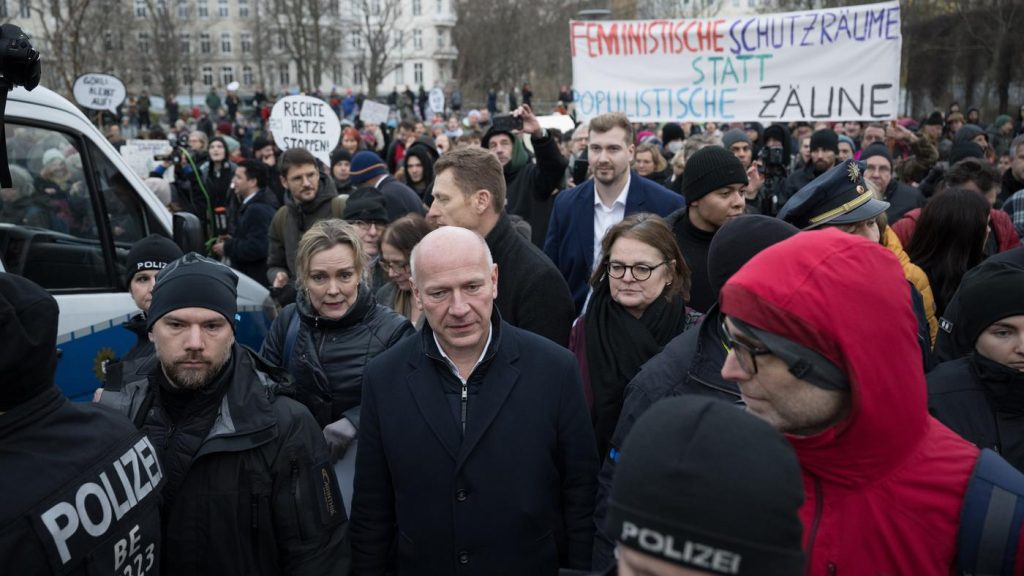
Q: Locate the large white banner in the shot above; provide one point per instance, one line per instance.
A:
(835, 64)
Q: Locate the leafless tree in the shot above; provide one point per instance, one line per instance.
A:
(72, 41)
(377, 34)
(306, 28)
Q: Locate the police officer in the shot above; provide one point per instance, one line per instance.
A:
(80, 484)
(249, 487)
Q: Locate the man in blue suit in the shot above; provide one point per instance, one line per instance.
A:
(582, 215)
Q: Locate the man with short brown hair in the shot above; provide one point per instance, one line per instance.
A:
(583, 214)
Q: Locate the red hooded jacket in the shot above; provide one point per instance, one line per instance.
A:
(884, 488)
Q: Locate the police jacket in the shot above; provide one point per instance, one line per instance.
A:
(691, 363)
(259, 496)
(80, 491)
(329, 356)
(983, 401)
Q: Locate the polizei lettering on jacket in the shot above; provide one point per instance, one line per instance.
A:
(691, 553)
(87, 511)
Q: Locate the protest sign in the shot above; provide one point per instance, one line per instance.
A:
(138, 154)
(99, 92)
(374, 112)
(305, 122)
(835, 64)
(436, 100)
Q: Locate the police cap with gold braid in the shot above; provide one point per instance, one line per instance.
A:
(839, 196)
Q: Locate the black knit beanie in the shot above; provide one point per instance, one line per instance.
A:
(672, 131)
(367, 207)
(194, 281)
(28, 331)
(339, 155)
(825, 140)
(739, 240)
(709, 169)
(965, 149)
(876, 149)
(993, 294)
(699, 479)
(153, 252)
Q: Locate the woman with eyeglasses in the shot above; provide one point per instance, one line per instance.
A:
(395, 254)
(640, 289)
(335, 327)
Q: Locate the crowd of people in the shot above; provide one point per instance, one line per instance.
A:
(629, 349)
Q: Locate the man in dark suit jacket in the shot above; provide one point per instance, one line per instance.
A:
(469, 191)
(583, 214)
(246, 247)
(476, 454)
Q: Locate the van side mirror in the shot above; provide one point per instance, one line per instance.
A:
(188, 233)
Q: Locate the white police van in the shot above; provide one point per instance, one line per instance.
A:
(74, 242)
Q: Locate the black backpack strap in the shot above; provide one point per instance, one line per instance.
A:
(990, 524)
(289, 339)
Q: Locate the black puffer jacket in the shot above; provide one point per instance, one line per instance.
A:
(329, 356)
(691, 363)
(983, 401)
(50, 450)
(258, 495)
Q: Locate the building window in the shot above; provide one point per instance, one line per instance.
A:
(357, 74)
(417, 39)
(440, 38)
(185, 42)
(3, 8)
(144, 42)
(399, 75)
(285, 77)
(147, 76)
(357, 40)
(203, 8)
(243, 8)
(161, 7)
(336, 73)
(207, 75)
(227, 75)
(204, 43)
(247, 75)
(245, 39)
(186, 75)
(222, 8)
(417, 73)
(108, 40)
(25, 9)
(375, 7)
(182, 9)
(399, 38)
(140, 8)
(440, 6)
(417, 7)
(225, 42)
(270, 73)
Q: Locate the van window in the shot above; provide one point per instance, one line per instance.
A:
(54, 222)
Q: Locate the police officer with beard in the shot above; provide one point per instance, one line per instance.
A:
(80, 484)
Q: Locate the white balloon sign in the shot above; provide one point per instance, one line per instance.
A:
(305, 122)
(99, 92)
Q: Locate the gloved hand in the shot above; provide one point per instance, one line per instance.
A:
(339, 436)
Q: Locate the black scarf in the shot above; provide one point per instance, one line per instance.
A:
(618, 344)
(1004, 385)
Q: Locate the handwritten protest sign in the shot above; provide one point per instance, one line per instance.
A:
(374, 112)
(305, 122)
(436, 100)
(837, 64)
(138, 154)
(99, 92)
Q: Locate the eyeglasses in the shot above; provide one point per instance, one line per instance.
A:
(640, 272)
(745, 355)
(398, 267)
(364, 225)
